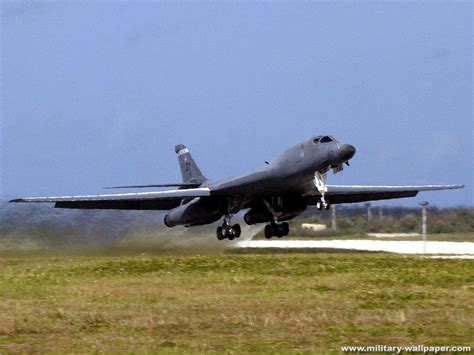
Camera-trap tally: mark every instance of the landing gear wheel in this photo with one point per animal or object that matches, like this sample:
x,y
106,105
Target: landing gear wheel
x,y
276,230
237,230
279,230
228,232
268,231
322,205
220,236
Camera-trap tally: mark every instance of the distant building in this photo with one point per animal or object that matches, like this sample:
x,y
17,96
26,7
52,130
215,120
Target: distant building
x,y
314,227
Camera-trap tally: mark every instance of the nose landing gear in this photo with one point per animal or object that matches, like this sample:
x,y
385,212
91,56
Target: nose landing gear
x,y
320,184
322,205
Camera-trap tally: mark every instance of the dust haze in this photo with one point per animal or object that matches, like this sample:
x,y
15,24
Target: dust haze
x,y
42,227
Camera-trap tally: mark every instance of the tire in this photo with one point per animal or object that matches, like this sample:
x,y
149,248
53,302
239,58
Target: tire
x,y
268,231
237,230
286,229
282,230
219,233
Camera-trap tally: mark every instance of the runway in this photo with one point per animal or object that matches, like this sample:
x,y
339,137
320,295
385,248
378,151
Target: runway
x,y
401,247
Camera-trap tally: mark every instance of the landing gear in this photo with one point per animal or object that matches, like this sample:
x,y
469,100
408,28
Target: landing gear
x,y
227,231
276,230
323,205
320,183
220,235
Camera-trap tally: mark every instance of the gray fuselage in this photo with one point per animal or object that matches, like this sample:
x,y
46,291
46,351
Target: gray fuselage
x,y
292,170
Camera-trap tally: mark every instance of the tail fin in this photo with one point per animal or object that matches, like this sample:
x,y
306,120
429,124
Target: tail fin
x,y
189,169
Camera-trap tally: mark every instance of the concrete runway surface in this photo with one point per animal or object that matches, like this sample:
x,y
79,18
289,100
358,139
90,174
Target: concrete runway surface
x,y
402,247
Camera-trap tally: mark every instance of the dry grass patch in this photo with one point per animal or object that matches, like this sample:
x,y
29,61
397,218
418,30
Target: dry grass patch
x,y
232,303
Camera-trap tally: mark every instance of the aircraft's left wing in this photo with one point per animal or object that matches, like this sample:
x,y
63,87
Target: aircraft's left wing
x,y
358,193
155,200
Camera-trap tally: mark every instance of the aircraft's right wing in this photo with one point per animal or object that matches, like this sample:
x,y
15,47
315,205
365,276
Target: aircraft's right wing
x,y
155,200
357,193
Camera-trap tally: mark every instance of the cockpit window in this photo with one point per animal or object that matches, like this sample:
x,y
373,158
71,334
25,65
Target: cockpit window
x,y
323,139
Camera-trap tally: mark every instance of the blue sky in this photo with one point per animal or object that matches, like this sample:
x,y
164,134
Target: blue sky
x,y
98,93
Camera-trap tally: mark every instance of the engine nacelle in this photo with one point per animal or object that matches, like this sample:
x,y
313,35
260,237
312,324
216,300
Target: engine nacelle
x,y
257,215
196,212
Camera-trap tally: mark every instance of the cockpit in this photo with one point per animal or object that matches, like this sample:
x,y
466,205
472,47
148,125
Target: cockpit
x,y
323,139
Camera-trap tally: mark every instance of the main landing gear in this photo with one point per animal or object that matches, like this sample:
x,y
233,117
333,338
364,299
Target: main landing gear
x,y
227,231
277,230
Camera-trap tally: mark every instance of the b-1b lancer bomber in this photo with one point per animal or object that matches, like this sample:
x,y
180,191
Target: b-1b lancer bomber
x,y
273,193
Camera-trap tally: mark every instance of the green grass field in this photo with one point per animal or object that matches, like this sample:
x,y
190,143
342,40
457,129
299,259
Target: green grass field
x,y
138,301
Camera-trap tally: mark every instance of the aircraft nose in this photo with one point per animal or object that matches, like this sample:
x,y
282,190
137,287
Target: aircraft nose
x,y
346,152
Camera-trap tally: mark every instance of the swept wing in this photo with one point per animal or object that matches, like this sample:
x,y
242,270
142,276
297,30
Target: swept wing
x,y
183,185
155,200
359,193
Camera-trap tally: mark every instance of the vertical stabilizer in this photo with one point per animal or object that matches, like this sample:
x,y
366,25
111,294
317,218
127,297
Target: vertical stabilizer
x,y
189,169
